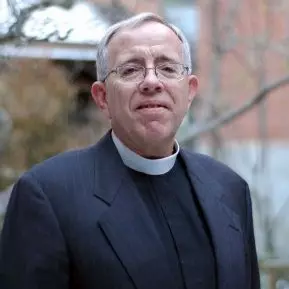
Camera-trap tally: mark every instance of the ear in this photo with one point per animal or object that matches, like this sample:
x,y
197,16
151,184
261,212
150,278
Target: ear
x,y
98,92
193,88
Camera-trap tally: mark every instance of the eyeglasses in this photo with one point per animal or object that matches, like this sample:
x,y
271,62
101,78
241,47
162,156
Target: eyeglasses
x,y
136,73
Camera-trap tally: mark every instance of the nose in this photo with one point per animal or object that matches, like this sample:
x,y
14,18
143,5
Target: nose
x,y
151,84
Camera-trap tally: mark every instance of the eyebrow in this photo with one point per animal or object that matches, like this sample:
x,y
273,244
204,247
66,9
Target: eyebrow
x,y
165,58
140,60
131,60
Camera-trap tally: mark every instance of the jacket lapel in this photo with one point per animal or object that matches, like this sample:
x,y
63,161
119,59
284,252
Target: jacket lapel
x,y
127,224
224,225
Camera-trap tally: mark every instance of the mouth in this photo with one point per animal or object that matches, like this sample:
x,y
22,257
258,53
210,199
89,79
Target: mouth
x,y
151,106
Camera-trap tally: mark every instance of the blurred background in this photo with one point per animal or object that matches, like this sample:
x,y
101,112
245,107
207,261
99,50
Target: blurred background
x,y
240,52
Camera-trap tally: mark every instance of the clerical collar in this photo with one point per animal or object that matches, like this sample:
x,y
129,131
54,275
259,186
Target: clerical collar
x,y
143,165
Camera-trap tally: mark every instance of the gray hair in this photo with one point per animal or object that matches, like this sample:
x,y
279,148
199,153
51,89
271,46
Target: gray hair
x,y
102,51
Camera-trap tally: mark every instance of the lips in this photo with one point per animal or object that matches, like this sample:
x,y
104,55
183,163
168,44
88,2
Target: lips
x,y
152,105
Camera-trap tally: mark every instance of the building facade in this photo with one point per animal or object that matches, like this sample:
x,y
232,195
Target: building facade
x,y
243,47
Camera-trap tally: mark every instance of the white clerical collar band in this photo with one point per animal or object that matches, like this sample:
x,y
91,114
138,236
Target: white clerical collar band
x,y
143,165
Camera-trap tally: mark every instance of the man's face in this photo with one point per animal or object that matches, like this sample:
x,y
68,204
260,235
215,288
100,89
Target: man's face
x,y
146,113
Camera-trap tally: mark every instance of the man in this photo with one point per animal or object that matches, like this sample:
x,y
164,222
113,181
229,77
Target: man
x,y
134,210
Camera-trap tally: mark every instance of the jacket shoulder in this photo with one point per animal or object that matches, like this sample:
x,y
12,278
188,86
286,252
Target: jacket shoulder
x,y
62,163
61,176
70,162
218,170
234,188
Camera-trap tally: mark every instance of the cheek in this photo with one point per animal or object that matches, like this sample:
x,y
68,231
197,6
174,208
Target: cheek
x,y
119,99
180,96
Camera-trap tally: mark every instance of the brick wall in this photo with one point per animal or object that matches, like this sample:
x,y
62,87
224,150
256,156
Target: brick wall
x,y
238,77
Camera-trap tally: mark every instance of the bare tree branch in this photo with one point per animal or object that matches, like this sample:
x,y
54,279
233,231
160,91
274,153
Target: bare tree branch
x,y
198,129
5,128
21,15
227,29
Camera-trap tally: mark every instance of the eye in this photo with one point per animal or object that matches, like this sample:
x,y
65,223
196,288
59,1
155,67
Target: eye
x,y
129,70
168,68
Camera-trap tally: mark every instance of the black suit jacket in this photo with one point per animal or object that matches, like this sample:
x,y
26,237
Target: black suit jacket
x,y
77,221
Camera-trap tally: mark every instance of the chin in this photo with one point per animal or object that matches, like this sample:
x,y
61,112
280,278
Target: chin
x,y
157,134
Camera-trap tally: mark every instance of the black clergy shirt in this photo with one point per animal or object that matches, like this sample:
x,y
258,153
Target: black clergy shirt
x,y
177,215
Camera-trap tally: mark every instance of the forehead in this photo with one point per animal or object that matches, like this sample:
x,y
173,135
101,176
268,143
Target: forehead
x,y
150,39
